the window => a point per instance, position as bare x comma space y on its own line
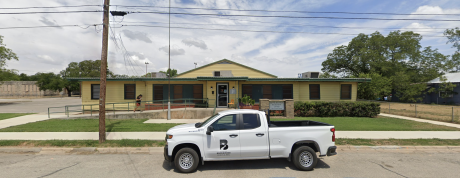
177, 93
287, 92
216, 73
95, 88
130, 91
247, 90
157, 92
251, 121
267, 91
314, 91
441, 93
227, 122
345, 91
198, 93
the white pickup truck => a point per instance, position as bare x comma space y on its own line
248, 134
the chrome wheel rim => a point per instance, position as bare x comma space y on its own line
306, 159
186, 161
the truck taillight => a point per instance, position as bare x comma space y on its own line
333, 134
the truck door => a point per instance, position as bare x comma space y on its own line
253, 137
224, 141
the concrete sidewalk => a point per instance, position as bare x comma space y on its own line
161, 135
22, 120
422, 120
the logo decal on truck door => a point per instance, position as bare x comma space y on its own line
223, 144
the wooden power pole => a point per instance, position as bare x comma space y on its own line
105, 41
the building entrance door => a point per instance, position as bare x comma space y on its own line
222, 95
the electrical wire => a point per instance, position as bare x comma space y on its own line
44, 12
49, 7
295, 17
51, 26
283, 11
259, 31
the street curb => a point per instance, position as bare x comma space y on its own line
150, 150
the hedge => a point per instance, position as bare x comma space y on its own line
336, 109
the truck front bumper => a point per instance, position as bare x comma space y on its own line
331, 151
165, 153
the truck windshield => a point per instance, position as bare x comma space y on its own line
207, 120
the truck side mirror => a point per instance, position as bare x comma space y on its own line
210, 129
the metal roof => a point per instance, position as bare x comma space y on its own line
230, 79
451, 77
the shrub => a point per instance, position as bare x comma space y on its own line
336, 109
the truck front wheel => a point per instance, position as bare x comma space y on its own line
305, 158
186, 160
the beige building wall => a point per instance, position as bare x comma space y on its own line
18, 89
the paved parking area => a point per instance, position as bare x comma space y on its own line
39, 105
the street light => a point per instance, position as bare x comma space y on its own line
146, 68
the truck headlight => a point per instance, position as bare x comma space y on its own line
169, 136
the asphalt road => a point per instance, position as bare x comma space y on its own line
363, 163
36, 105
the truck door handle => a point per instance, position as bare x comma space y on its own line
233, 135
260, 134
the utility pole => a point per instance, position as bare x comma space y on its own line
105, 42
169, 65
195, 64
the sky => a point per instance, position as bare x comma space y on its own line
138, 38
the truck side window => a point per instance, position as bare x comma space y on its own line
227, 122
251, 121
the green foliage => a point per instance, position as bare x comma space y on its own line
9, 75
172, 71
446, 89
336, 109
49, 81
246, 100
453, 36
327, 75
5, 53
397, 58
378, 87
86, 68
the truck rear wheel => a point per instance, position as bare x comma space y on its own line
305, 158
186, 160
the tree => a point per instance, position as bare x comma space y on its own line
453, 36
327, 75
446, 89
378, 87
5, 53
49, 81
173, 72
86, 68
398, 58
9, 75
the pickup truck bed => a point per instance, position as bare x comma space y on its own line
296, 123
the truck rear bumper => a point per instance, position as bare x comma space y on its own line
331, 151
165, 153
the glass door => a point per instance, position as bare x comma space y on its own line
222, 95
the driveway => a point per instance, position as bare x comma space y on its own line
39, 105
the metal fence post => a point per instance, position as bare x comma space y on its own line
163, 105
415, 110
67, 111
48, 112
91, 110
83, 109
128, 106
113, 106
452, 114
389, 110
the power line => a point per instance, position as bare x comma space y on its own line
297, 25
50, 7
284, 11
51, 26
44, 12
294, 17
260, 31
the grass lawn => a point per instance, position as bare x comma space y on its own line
399, 142
11, 115
82, 143
375, 124
89, 125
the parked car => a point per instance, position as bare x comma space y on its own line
248, 134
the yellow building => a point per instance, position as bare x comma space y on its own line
220, 83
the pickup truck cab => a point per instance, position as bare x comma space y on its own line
248, 134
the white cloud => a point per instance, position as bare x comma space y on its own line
141, 36
174, 51
195, 42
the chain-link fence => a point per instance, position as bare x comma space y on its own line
443, 113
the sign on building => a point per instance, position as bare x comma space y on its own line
276, 105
